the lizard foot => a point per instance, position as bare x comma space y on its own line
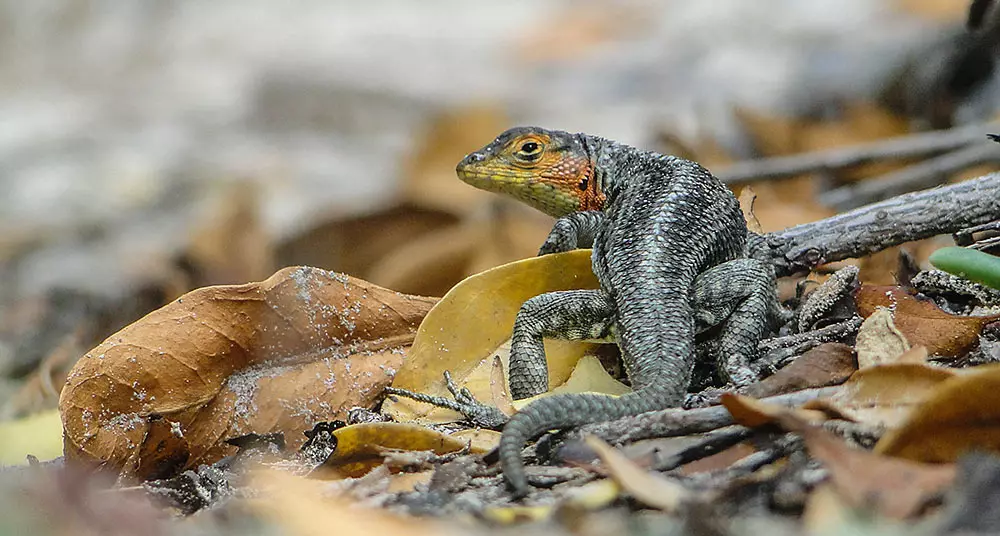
462, 401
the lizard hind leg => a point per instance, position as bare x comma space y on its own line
741, 296
568, 314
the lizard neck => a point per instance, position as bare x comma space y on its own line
616, 165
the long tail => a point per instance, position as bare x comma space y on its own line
561, 411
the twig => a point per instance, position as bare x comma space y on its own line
926, 174
878, 226
678, 422
903, 147
713, 442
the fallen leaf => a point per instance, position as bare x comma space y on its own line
830, 363
360, 447
747, 198
480, 441
893, 487
474, 321
231, 244
884, 394
430, 179
646, 487
303, 507
879, 341
922, 322
39, 435
960, 415
355, 245
754, 413
303, 346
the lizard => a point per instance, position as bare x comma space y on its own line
673, 258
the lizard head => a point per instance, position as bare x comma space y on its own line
550, 170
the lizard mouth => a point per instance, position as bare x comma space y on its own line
545, 196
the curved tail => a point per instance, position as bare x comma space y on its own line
561, 411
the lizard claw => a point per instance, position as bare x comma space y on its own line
462, 401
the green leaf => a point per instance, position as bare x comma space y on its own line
968, 263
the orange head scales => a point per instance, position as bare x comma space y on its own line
550, 170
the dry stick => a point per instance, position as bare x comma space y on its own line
897, 148
678, 422
878, 226
926, 174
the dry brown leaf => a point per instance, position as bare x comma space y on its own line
934, 10
430, 179
960, 415
232, 244
720, 460
879, 341
884, 394
827, 364
922, 322
747, 198
360, 447
648, 488
570, 31
473, 323
353, 245
436, 261
895, 488
303, 346
755, 413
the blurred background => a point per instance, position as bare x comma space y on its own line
148, 148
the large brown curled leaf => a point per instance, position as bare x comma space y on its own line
303, 346
922, 322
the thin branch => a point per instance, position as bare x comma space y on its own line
875, 227
926, 174
915, 145
677, 422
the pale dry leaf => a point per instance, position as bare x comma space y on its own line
164, 393
746, 199
303, 507
884, 395
646, 487
959, 415
879, 341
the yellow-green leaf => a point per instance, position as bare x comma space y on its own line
473, 322
39, 435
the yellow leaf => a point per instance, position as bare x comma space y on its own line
589, 376
480, 441
39, 435
474, 321
360, 447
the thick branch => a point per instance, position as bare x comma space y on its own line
875, 227
915, 145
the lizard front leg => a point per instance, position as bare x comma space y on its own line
569, 314
573, 231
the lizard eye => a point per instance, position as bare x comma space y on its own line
529, 151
